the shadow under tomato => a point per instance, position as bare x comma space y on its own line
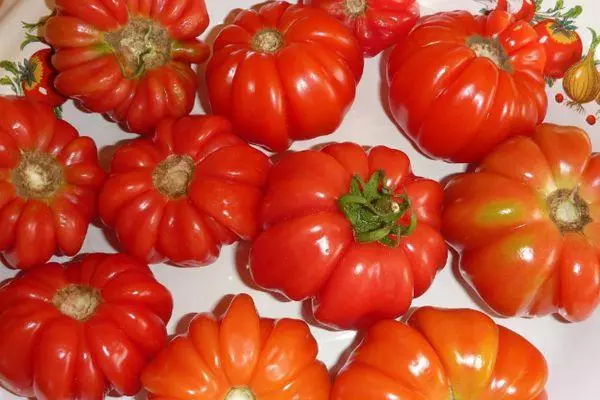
471, 292
183, 324
345, 356
242, 263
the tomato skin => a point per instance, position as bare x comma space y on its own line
442, 354
435, 79
502, 220
563, 49
218, 205
382, 24
272, 359
95, 73
305, 85
35, 227
50, 355
42, 89
307, 248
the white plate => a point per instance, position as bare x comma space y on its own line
572, 350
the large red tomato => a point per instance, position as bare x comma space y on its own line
239, 356
378, 24
459, 85
49, 180
81, 331
527, 224
441, 355
283, 73
180, 195
563, 47
354, 231
129, 59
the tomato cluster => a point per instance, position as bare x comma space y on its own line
353, 231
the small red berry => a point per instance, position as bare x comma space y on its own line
559, 98
591, 119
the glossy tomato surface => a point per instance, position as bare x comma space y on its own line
377, 24
239, 356
179, 196
131, 60
563, 47
49, 180
313, 248
81, 330
486, 72
442, 354
527, 225
283, 72
38, 81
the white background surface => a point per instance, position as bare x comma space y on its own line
572, 350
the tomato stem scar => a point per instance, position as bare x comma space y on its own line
492, 49
267, 41
77, 301
355, 8
173, 175
568, 210
240, 393
38, 175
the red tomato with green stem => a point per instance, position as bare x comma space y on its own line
81, 330
355, 232
562, 44
526, 225
34, 78
38, 79
182, 194
283, 72
377, 24
130, 60
49, 180
486, 72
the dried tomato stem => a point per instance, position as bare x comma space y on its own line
173, 176
240, 393
568, 210
491, 49
267, 41
77, 301
38, 175
355, 8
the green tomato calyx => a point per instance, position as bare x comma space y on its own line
376, 212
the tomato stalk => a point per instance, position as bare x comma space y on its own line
77, 301
140, 45
355, 8
173, 176
568, 210
38, 175
374, 211
267, 41
240, 393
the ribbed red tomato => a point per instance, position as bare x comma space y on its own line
461, 84
354, 231
284, 72
131, 60
82, 330
49, 180
181, 195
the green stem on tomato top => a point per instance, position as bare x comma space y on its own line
374, 211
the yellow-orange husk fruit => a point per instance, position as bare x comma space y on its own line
582, 80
